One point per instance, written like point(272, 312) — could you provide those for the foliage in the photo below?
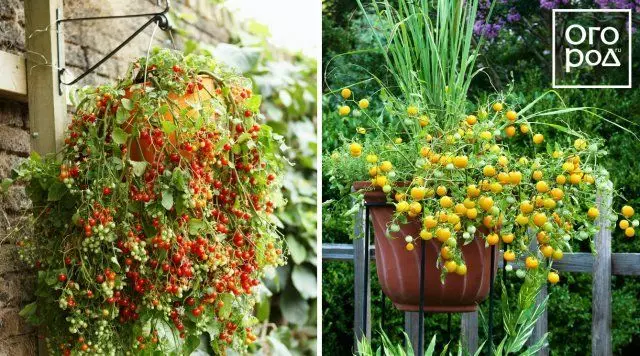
point(518, 323)
point(155, 219)
point(427, 49)
point(287, 83)
point(509, 13)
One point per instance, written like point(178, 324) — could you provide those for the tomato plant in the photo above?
point(154, 220)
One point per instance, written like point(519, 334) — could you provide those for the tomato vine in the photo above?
point(154, 220)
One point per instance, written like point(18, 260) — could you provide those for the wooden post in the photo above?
point(360, 286)
point(542, 325)
point(601, 299)
point(469, 331)
point(411, 321)
point(47, 108)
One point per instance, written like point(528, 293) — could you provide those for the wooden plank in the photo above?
point(625, 264)
point(13, 81)
point(47, 108)
point(601, 299)
point(469, 331)
point(337, 252)
point(360, 283)
point(581, 262)
point(342, 252)
point(542, 325)
point(411, 325)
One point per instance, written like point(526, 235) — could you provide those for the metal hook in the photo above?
point(159, 18)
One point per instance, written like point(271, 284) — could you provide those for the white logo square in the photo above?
point(604, 50)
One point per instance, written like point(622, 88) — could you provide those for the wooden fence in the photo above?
point(602, 265)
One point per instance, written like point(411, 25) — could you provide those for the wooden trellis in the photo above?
point(602, 265)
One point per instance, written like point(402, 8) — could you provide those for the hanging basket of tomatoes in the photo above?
point(153, 221)
point(463, 178)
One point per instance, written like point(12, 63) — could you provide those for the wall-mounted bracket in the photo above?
point(158, 18)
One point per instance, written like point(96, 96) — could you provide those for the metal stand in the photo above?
point(420, 350)
point(366, 266)
point(423, 247)
point(383, 310)
point(448, 327)
point(492, 277)
point(158, 18)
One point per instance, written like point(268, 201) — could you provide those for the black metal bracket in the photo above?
point(158, 18)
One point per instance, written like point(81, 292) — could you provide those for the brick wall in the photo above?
point(16, 286)
point(85, 44)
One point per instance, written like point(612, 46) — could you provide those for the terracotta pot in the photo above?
point(399, 269)
point(146, 151)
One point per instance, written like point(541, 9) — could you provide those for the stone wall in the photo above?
point(85, 44)
point(16, 281)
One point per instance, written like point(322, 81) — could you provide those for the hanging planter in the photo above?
point(153, 221)
point(399, 273)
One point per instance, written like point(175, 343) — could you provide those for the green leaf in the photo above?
point(278, 348)
point(127, 104)
point(432, 346)
point(51, 278)
point(138, 167)
point(165, 333)
point(213, 328)
point(243, 137)
point(226, 309)
point(28, 310)
point(35, 156)
point(6, 183)
point(117, 161)
point(121, 115)
point(297, 250)
point(191, 343)
point(253, 103)
point(304, 279)
point(167, 199)
point(56, 191)
point(263, 309)
point(294, 308)
point(168, 127)
point(180, 207)
point(195, 225)
point(285, 98)
point(119, 136)
point(178, 179)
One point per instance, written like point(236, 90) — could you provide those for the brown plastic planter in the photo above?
point(398, 269)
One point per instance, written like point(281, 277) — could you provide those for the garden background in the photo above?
point(287, 82)
point(517, 58)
